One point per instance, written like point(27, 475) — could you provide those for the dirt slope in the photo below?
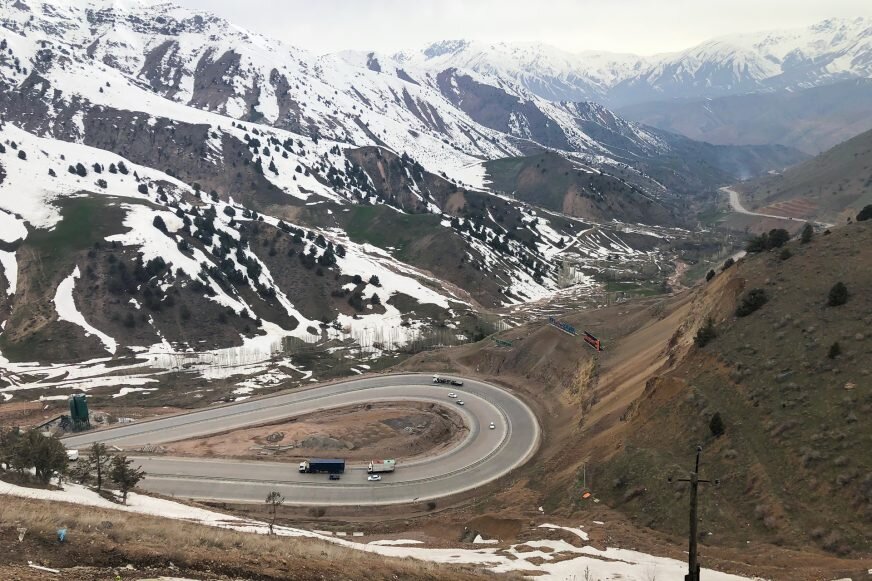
point(794, 462)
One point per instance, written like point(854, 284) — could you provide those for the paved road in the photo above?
point(736, 205)
point(482, 456)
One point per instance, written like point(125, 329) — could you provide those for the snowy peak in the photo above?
point(831, 50)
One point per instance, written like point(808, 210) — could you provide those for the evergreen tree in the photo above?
point(838, 295)
point(80, 170)
point(98, 462)
point(124, 475)
point(716, 425)
point(807, 233)
point(159, 223)
point(705, 333)
point(46, 455)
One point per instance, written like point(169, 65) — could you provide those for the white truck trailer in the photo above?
point(376, 466)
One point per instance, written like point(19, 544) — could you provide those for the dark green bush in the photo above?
point(753, 300)
point(775, 238)
point(705, 334)
point(716, 425)
point(807, 233)
point(838, 295)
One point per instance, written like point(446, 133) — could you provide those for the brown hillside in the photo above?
point(832, 186)
point(794, 463)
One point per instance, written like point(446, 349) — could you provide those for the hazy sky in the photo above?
point(638, 26)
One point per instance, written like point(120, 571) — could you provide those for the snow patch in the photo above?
point(65, 305)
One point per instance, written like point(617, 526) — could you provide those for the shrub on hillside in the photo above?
point(835, 350)
point(753, 300)
point(838, 295)
point(159, 223)
point(728, 263)
point(709, 275)
point(705, 334)
point(716, 425)
point(865, 214)
point(785, 254)
point(807, 233)
point(775, 238)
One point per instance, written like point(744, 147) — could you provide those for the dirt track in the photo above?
point(358, 433)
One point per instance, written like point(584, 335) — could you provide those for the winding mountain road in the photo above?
point(736, 206)
point(482, 456)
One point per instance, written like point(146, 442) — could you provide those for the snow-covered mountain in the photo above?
point(160, 166)
point(827, 52)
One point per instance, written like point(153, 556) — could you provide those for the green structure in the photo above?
point(502, 343)
point(79, 413)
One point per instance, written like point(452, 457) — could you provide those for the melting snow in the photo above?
point(608, 564)
point(66, 309)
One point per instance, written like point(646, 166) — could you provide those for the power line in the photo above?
point(692, 560)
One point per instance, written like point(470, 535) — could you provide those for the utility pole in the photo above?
point(695, 481)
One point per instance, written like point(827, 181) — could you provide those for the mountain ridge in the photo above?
point(831, 50)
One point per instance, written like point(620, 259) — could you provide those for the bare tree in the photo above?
point(274, 500)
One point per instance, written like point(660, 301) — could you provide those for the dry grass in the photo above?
point(107, 539)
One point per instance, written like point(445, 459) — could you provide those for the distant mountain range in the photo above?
point(829, 51)
point(161, 165)
point(811, 120)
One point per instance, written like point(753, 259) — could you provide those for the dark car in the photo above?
point(334, 477)
point(456, 382)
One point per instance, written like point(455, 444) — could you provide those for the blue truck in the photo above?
point(322, 465)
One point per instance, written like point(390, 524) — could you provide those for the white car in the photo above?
point(492, 426)
point(452, 394)
point(460, 402)
point(373, 477)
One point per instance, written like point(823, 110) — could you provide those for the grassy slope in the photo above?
point(385, 227)
point(419, 240)
point(46, 257)
point(794, 462)
point(99, 541)
point(839, 181)
point(552, 182)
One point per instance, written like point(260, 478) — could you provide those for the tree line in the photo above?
point(31, 455)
